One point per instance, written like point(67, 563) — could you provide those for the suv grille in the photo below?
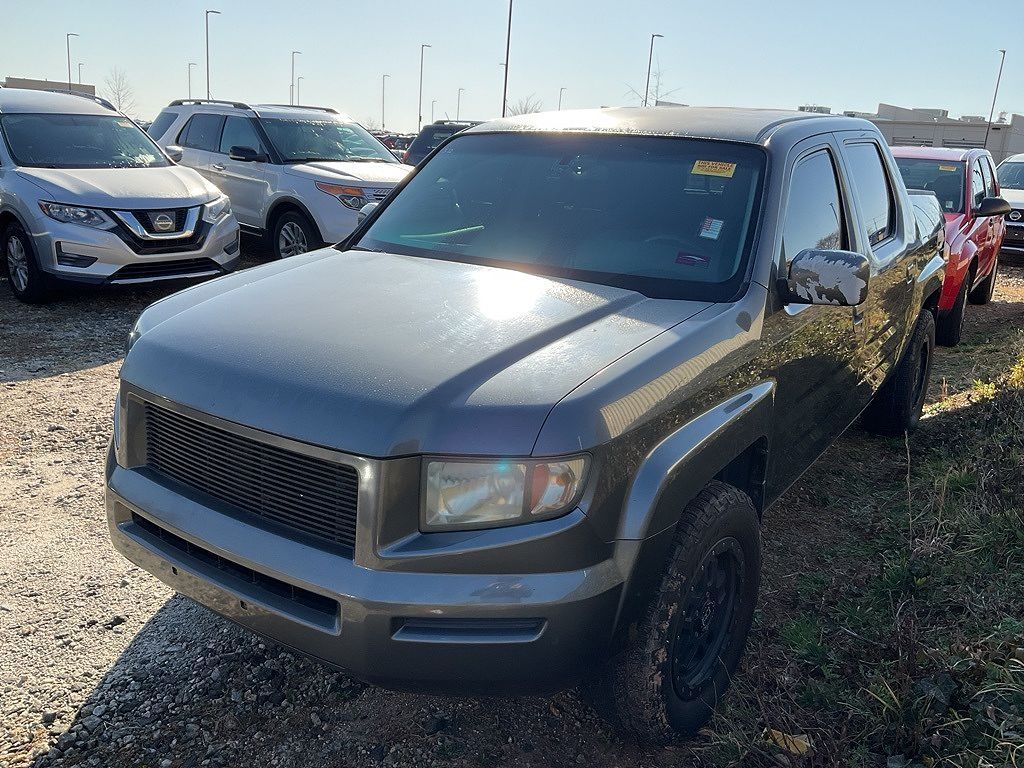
point(380, 194)
point(149, 220)
point(299, 492)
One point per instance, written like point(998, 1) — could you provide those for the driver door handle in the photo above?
point(217, 166)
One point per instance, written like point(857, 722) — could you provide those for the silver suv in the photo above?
point(295, 174)
point(86, 196)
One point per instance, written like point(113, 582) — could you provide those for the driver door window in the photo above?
point(814, 215)
point(239, 132)
point(977, 184)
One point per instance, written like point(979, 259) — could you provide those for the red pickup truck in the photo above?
point(965, 183)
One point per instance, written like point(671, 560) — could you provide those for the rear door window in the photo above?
point(814, 215)
point(202, 132)
point(873, 190)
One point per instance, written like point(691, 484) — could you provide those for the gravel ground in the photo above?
point(101, 665)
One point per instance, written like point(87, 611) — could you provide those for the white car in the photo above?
point(87, 197)
point(297, 175)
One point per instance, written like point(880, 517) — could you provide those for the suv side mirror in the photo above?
point(992, 206)
point(175, 152)
point(244, 154)
point(838, 278)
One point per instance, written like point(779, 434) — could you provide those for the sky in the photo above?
point(782, 53)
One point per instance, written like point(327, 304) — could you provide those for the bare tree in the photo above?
point(120, 91)
point(371, 124)
point(526, 105)
point(657, 91)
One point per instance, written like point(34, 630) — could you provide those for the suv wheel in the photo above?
point(982, 294)
point(897, 405)
point(28, 283)
point(950, 327)
point(684, 650)
point(294, 234)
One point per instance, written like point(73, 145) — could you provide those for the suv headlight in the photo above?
point(74, 214)
point(351, 197)
point(464, 495)
point(213, 210)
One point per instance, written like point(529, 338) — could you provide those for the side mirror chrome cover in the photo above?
point(174, 152)
point(831, 277)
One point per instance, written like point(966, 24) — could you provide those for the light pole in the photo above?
point(79, 73)
point(458, 103)
point(291, 89)
point(419, 107)
point(650, 58)
point(208, 51)
point(508, 46)
point(988, 126)
point(383, 81)
point(298, 89)
point(432, 103)
point(561, 91)
point(190, 65)
point(67, 41)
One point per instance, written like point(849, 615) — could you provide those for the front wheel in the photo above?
point(897, 406)
point(28, 282)
point(294, 233)
point(684, 650)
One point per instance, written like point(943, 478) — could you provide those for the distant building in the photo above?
point(904, 127)
point(816, 108)
point(48, 85)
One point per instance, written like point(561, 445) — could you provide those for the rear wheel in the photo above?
point(897, 406)
point(28, 282)
point(293, 234)
point(950, 327)
point(686, 647)
point(982, 293)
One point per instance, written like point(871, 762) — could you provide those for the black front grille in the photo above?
point(148, 220)
point(299, 492)
point(322, 605)
point(155, 269)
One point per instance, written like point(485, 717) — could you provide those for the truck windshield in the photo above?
point(668, 217)
point(302, 141)
point(944, 178)
point(47, 140)
point(1011, 175)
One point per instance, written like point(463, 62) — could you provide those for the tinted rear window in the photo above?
point(666, 217)
point(430, 138)
point(944, 178)
point(161, 124)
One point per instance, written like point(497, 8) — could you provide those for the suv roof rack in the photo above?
point(98, 99)
point(302, 106)
point(183, 102)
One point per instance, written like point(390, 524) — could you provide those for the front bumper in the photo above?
point(1013, 240)
point(463, 633)
point(107, 258)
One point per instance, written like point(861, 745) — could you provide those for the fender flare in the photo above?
point(287, 200)
point(930, 278)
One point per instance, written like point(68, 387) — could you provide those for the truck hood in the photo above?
point(387, 355)
point(387, 174)
point(132, 188)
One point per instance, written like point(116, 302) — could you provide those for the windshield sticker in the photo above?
point(124, 123)
point(947, 167)
point(713, 168)
point(711, 228)
point(692, 259)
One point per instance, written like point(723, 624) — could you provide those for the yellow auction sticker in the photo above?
point(713, 168)
point(947, 167)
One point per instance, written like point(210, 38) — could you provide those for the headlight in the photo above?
point(486, 494)
point(73, 214)
point(351, 197)
point(212, 211)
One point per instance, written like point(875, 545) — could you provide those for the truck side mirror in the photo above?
point(244, 154)
point(175, 153)
point(993, 206)
point(838, 278)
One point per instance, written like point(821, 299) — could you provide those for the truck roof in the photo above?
point(26, 100)
point(952, 154)
point(731, 123)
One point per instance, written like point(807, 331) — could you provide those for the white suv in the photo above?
point(86, 196)
point(297, 175)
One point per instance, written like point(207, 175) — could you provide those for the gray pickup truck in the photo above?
point(523, 424)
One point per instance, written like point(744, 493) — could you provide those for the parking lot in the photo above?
point(102, 665)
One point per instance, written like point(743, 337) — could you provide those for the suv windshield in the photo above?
point(1011, 175)
point(944, 178)
point(47, 140)
point(663, 216)
point(299, 141)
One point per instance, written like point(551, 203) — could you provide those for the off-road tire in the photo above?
point(949, 327)
point(896, 408)
point(983, 291)
point(40, 286)
point(638, 691)
point(290, 219)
